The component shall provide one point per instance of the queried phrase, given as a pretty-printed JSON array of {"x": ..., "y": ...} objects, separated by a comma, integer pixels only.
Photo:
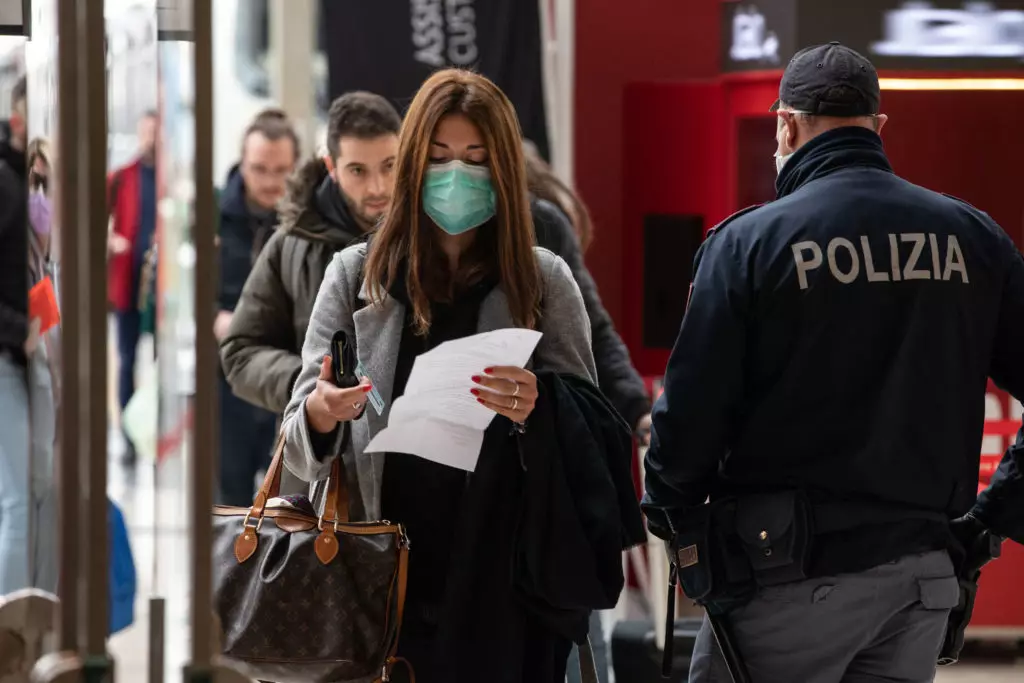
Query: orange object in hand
[{"x": 42, "y": 304}]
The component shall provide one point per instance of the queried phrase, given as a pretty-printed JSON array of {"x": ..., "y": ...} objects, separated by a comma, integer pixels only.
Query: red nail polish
[
  {"x": 489, "y": 371},
  {"x": 480, "y": 400},
  {"x": 476, "y": 378},
  {"x": 368, "y": 389},
  {"x": 475, "y": 392}
]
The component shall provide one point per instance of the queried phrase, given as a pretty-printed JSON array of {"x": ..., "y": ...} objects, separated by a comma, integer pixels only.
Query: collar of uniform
[{"x": 829, "y": 152}]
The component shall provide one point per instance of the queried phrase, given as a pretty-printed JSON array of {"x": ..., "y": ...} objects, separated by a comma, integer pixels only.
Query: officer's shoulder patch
[{"x": 742, "y": 212}]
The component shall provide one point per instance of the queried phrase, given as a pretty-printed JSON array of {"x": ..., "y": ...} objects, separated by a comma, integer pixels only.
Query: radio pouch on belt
[
  {"x": 776, "y": 531},
  {"x": 692, "y": 554},
  {"x": 711, "y": 568}
]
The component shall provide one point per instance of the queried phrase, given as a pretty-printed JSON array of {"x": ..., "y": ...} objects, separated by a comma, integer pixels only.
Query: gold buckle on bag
[
  {"x": 320, "y": 524},
  {"x": 245, "y": 522}
]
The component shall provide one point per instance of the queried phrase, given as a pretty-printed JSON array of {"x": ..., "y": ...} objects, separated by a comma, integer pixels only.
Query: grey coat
[{"x": 377, "y": 328}]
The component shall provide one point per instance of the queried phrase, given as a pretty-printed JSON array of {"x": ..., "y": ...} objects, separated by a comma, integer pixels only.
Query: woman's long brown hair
[{"x": 503, "y": 246}]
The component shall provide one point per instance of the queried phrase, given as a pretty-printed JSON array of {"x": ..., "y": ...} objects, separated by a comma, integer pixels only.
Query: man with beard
[
  {"x": 248, "y": 216},
  {"x": 330, "y": 203}
]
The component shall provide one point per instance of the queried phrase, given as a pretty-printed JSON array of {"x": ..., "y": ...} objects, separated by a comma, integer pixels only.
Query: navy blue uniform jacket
[{"x": 839, "y": 340}]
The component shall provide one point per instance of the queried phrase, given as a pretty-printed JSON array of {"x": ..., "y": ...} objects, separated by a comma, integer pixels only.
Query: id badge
[{"x": 375, "y": 399}]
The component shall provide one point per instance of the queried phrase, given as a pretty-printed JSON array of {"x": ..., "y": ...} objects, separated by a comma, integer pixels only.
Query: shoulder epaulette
[
  {"x": 730, "y": 219},
  {"x": 965, "y": 203},
  {"x": 958, "y": 200}
]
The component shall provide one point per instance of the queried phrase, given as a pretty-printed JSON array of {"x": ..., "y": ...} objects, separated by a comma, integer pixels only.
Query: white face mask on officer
[{"x": 780, "y": 161}]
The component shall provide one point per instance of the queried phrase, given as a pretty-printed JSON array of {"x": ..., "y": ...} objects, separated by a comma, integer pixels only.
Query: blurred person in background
[
  {"x": 544, "y": 184},
  {"x": 330, "y": 203},
  {"x": 562, "y": 224},
  {"x": 248, "y": 216},
  {"x": 17, "y": 343},
  {"x": 131, "y": 199},
  {"x": 43, "y": 356},
  {"x": 15, "y": 140}
]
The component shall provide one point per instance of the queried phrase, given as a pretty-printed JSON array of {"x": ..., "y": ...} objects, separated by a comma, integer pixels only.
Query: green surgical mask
[{"x": 458, "y": 196}]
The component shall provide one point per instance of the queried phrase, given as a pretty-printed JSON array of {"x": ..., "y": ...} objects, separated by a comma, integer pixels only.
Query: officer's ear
[
  {"x": 880, "y": 120},
  {"x": 787, "y": 131}
]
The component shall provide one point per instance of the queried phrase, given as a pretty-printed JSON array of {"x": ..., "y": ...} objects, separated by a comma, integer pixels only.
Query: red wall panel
[
  {"x": 618, "y": 43},
  {"x": 676, "y": 164},
  {"x": 968, "y": 144}
]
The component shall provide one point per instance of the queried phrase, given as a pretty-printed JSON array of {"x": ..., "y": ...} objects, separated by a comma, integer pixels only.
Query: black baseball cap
[{"x": 830, "y": 80}]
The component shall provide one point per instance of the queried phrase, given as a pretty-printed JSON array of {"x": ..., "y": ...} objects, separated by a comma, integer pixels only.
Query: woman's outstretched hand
[
  {"x": 328, "y": 404},
  {"x": 508, "y": 391}
]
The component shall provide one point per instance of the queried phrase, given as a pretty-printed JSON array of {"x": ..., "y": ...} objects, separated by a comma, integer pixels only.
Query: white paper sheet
[{"x": 437, "y": 417}]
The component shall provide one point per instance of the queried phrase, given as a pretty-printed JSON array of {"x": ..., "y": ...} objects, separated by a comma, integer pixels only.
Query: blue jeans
[
  {"x": 15, "y": 490},
  {"x": 42, "y": 433}
]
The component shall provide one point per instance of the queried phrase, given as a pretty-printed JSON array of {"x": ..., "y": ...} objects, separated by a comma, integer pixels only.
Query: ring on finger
[
  {"x": 515, "y": 404},
  {"x": 518, "y": 387},
  {"x": 357, "y": 406}
]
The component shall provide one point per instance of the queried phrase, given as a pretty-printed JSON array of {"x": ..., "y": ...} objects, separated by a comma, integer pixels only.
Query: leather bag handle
[{"x": 336, "y": 504}]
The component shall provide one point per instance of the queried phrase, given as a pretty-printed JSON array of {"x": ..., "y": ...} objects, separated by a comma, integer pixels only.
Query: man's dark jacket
[
  {"x": 243, "y": 235},
  {"x": 13, "y": 262},
  {"x": 619, "y": 380},
  {"x": 857, "y": 376},
  {"x": 261, "y": 354},
  {"x": 539, "y": 538}
]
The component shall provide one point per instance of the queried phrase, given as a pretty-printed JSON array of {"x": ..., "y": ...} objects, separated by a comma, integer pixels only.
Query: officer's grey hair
[{"x": 868, "y": 121}]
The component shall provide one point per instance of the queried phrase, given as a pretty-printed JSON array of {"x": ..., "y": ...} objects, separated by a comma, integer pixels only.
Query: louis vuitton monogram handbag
[{"x": 305, "y": 598}]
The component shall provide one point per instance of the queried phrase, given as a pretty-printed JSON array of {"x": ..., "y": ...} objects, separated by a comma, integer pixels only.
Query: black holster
[
  {"x": 725, "y": 550},
  {"x": 972, "y": 546}
]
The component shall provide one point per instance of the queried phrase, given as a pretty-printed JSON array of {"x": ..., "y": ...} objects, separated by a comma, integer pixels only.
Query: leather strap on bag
[
  {"x": 336, "y": 503},
  {"x": 588, "y": 667},
  {"x": 337, "y": 492},
  {"x": 335, "y": 509},
  {"x": 335, "y": 513},
  {"x": 271, "y": 486},
  {"x": 403, "y": 577}
]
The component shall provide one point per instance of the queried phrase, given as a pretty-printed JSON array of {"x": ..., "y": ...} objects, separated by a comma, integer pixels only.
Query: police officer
[{"x": 837, "y": 344}]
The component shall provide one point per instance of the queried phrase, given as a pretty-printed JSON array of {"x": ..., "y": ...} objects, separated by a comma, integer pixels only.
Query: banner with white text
[{"x": 390, "y": 47}]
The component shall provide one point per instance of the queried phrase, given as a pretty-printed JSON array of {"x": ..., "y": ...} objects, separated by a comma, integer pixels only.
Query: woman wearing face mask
[
  {"x": 44, "y": 369},
  {"x": 454, "y": 257}
]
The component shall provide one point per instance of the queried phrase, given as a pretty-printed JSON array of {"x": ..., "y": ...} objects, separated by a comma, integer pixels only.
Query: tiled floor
[
  {"x": 978, "y": 673},
  {"x": 161, "y": 560}
]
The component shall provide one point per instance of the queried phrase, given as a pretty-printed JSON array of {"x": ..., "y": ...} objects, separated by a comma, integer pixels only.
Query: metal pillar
[
  {"x": 82, "y": 464},
  {"x": 565, "y": 38},
  {"x": 558, "y": 60},
  {"x": 93, "y": 223},
  {"x": 292, "y": 47},
  {"x": 71, "y": 321},
  {"x": 205, "y": 432}
]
